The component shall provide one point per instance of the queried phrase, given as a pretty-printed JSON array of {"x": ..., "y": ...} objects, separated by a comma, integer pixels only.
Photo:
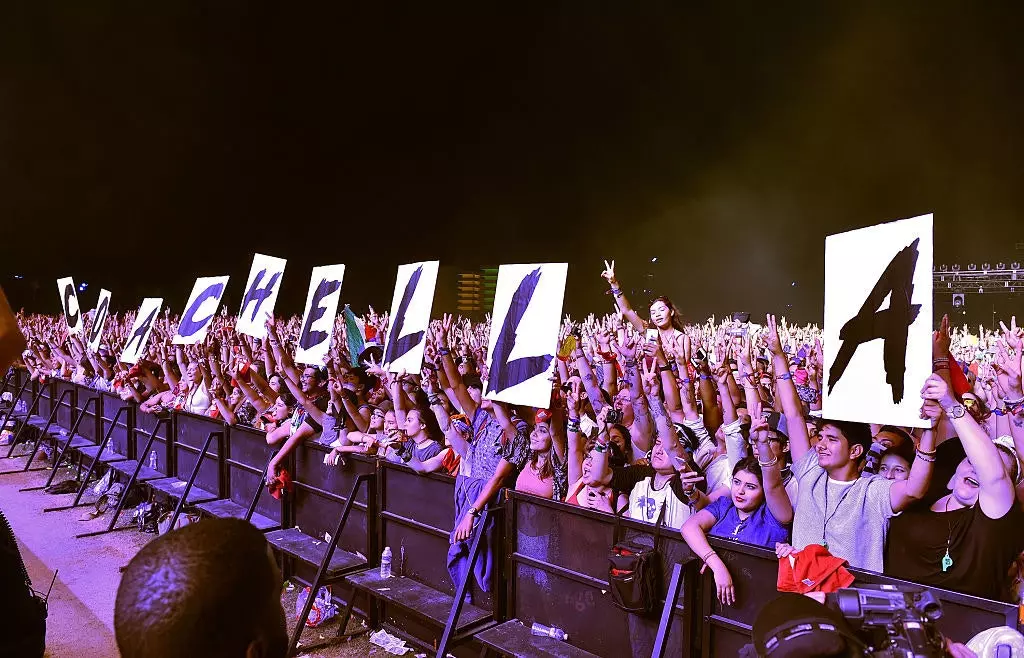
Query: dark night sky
[{"x": 141, "y": 147}]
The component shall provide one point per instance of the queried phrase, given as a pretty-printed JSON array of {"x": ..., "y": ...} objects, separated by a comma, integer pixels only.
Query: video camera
[
  {"x": 890, "y": 621},
  {"x": 870, "y": 621}
]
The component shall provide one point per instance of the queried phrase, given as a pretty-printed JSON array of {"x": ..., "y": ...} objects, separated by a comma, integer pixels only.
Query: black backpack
[{"x": 634, "y": 569}]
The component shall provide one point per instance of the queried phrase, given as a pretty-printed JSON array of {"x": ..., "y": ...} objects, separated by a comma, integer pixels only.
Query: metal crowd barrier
[{"x": 550, "y": 558}]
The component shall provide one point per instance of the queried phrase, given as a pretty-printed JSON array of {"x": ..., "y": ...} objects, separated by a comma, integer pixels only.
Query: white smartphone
[{"x": 652, "y": 335}]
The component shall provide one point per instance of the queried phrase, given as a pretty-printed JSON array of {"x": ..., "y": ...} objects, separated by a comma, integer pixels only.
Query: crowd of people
[{"x": 713, "y": 429}]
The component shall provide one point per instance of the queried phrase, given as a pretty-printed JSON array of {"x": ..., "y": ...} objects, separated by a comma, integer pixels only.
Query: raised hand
[
  {"x": 941, "y": 339},
  {"x": 609, "y": 274},
  {"x": 774, "y": 343}
]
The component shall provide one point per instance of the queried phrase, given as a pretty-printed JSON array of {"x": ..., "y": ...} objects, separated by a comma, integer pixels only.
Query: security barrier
[{"x": 550, "y": 558}]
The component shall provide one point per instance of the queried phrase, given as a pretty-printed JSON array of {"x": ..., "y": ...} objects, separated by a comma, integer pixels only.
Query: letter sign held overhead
[
  {"x": 524, "y": 333},
  {"x": 69, "y": 302},
  {"x": 200, "y": 309},
  {"x": 321, "y": 310},
  {"x": 139, "y": 336},
  {"x": 95, "y": 335},
  {"x": 410, "y": 316},
  {"x": 260, "y": 295},
  {"x": 877, "y": 336}
]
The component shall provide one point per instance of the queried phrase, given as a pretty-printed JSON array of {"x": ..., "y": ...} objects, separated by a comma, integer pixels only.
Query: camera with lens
[
  {"x": 870, "y": 621},
  {"x": 890, "y": 621}
]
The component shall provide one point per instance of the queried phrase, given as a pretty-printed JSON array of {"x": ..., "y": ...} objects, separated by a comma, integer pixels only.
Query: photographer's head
[{"x": 210, "y": 589}]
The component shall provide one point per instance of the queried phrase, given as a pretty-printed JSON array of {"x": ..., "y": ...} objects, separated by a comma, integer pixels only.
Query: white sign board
[
  {"x": 200, "y": 310},
  {"x": 410, "y": 316},
  {"x": 135, "y": 348},
  {"x": 260, "y": 295},
  {"x": 69, "y": 302},
  {"x": 524, "y": 333},
  {"x": 321, "y": 309},
  {"x": 95, "y": 334},
  {"x": 877, "y": 336}
]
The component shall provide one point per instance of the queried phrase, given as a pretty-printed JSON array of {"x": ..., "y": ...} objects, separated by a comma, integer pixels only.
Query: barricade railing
[
  {"x": 551, "y": 557},
  {"x": 725, "y": 629},
  {"x": 557, "y": 575}
]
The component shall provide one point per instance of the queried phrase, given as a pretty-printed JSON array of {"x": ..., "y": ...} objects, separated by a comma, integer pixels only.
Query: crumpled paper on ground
[{"x": 389, "y": 643}]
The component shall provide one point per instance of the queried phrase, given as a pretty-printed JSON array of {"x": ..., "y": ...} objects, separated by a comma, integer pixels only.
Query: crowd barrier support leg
[
  {"x": 322, "y": 570},
  {"x": 666, "y": 614},
  {"x": 35, "y": 401},
  {"x": 10, "y": 412},
  {"x": 39, "y": 439},
  {"x": 451, "y": 627},
  {"x": 71, "y": 433},
  {"x": 192, "y": 477},
  {"x": 256, "y": 496},
  {"x": 127, "y": 487},
  {"x": 7, "y": 380},
  {"x": 92, "y": 467}
]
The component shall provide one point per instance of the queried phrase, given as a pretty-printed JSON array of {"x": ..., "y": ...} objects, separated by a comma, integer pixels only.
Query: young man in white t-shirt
[{"x": 839, "y": 509}]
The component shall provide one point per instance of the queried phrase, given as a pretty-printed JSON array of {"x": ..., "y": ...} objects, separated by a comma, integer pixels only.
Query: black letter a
[{"x": 891, "y": 325}]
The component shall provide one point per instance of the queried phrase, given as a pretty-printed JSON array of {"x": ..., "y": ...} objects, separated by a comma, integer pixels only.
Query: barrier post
[{"x": 92, "y": 466}]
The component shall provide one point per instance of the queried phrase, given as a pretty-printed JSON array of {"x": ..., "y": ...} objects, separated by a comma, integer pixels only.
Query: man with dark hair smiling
[{"x": 210, "y": 589}]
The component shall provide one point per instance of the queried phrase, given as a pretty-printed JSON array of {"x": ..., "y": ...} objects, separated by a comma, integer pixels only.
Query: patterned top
[{"x": 489, "y": 446}]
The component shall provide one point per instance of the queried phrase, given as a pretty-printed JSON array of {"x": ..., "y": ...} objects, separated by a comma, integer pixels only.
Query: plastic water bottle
[
  {"x": 548, "y": 631},
  {"x": 385, "y": 563},
  {"x": 152, "y": 459}
]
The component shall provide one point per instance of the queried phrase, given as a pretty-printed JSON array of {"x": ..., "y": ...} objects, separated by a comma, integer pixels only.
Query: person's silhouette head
[{"x": 211, "y": 589}]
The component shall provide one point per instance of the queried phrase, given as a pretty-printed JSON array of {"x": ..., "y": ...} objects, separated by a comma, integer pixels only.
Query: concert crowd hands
[{"x": 712, "y": 426}]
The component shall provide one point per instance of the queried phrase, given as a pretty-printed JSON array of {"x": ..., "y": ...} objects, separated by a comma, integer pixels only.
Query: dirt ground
[{"x": 81, "y": 605}]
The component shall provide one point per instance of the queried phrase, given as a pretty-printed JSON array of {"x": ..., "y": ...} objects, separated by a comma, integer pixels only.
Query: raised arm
[
  {"x": 620, "y": 297},
  {"x": 997, "y": 494},
  {"x": 451, "y": 371},
  {"x": 785, "y": 391},
  {"x": 775, "y": 495}
]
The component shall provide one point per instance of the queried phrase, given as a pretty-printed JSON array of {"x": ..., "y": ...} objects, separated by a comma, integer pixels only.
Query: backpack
[{"x": 634, "y": 570}]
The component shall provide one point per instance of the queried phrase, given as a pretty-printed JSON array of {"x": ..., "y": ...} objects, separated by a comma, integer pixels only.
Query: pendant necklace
[
  {"x": 947, "y": 561},
  {"x": 828, "y": 517}
]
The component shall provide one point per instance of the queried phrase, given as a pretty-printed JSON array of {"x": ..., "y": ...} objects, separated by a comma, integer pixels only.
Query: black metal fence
[{"x": 550, "y": 562}]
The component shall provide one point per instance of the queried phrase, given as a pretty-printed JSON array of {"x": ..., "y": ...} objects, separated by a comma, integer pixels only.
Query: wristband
[
  {"x": 600, "y": 447},
  {"x": 686, "y": 380},
  {"x": 1013, "y": 403},
  {"x": 444, "y": 352},
  {"x": 667, "y": 368},
  {"x": 616, "y": 293},
  {"x": 785, "y": 377},
  {"x": 434, "y": 400},
  {"x": 704, "y": 378}
]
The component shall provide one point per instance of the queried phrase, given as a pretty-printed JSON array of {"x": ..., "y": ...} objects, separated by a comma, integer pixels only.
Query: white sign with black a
[
  {"x": 135, "y": 348},
  {"x": 877, "y": 337},
  {"x": 524, "y": 333}
]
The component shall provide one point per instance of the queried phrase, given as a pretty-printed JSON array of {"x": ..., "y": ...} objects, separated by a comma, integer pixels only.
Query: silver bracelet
[{"x": 773, "y": 462}]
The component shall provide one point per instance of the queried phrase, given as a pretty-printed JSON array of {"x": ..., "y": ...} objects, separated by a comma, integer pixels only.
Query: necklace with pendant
[{"x": 947, "y": 561}]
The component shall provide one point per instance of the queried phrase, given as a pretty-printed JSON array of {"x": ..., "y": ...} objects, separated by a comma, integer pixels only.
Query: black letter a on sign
[
  {"x": 502, "y": 373},
  {"x": 140, "y": 333},
  {"x": 891, "y": 325},
  {"x": 257, "y": 294},
  {"x": 399, "y": 345}
]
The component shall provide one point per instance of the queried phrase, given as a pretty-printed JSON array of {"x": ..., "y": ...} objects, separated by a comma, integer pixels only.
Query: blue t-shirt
[{"x": 760, "y": 528}]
